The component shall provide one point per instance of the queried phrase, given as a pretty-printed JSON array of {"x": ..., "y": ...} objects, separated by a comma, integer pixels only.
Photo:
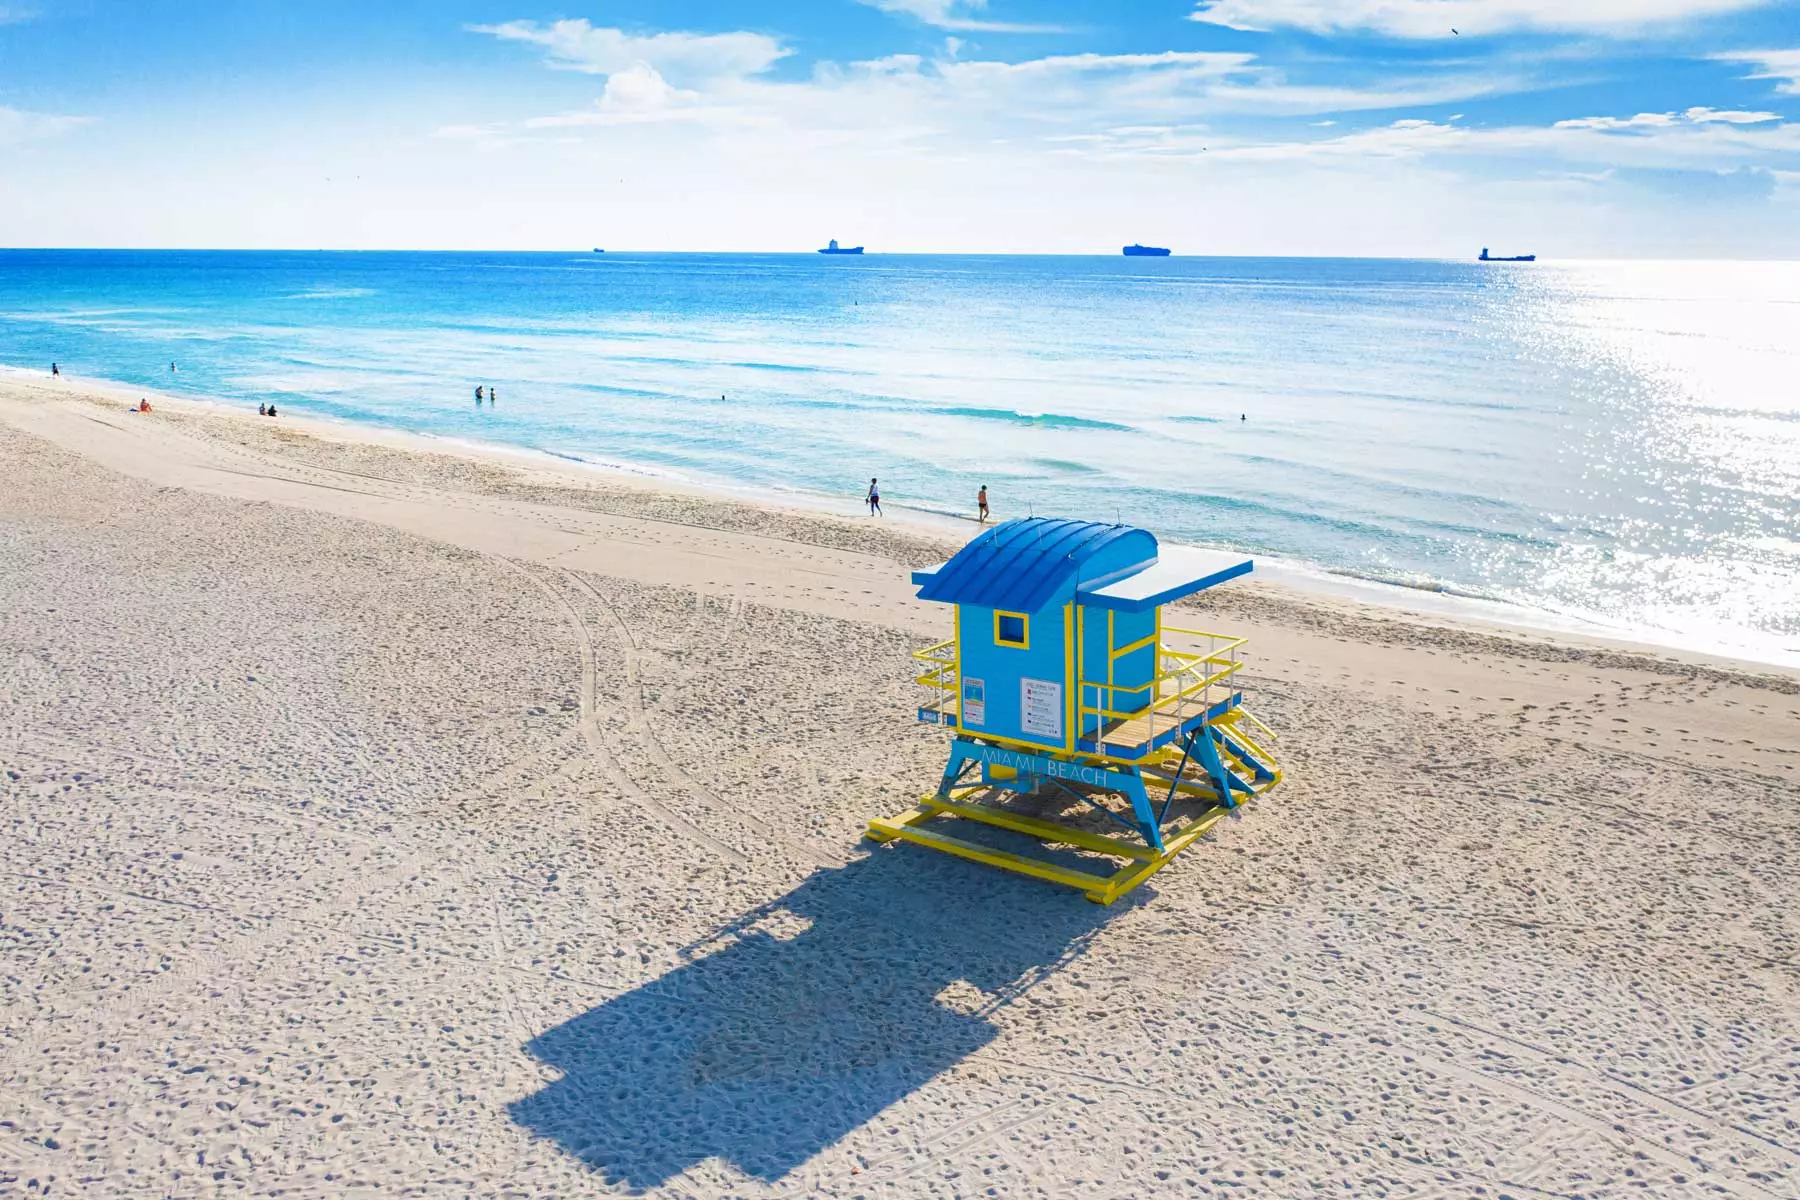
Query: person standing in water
[
  {"x": 478, "y": 393},
  {"x": 492, "y": 394},
  {"x": 874, "y": 499},
  {"x": 981, "y": 508},
  {"x": 53, "y": 369}
]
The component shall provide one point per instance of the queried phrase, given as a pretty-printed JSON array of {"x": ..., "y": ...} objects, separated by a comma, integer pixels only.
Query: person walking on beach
[
  {"x": 981, "y": 508},
  {"x": 874, "y": 499},
  {"x": 53, "y": 370}
]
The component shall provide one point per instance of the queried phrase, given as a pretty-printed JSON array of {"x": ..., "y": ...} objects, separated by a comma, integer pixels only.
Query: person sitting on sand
[
  {"x": 262, "y": 410},
  {"x": 143, "y": 405},
  {"x": 981, "y": 508},
  {"x": 271, "y": 410},
  {"x": 874, "y": 499}
]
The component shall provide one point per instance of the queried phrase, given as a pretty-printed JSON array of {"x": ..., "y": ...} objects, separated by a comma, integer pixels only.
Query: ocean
[{"x": 1615, "y": 444}]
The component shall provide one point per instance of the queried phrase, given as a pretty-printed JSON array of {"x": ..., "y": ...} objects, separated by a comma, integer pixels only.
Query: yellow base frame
[{"x": 1141, "y": 861}]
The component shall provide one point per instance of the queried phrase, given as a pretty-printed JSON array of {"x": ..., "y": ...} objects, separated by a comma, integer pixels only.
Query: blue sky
[{"x": 1576, "y": 128}]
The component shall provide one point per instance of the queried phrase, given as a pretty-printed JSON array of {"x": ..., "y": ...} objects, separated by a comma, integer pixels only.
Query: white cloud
[
  {"x": 17, "y": 125},
  {"x": 684, "y": 58},
  {"x": 1698, "y": 115},
  {"x": 1111, "y": 89},
  {"x": 1653, "y": 141},
  {"x": 1095, "y": 79},
  {"x": 1730, "y": 116},
  {"x": 1771, "y": 64},
  {"x": 903, "y": 98},
  {"x": 639, "y": 89},
  {"x": 1438, "y": 18},
  {"x": 954, "y": 14},
  {"x": 640, "y": 96},
  {"x": 1107, "y": 110},
  {"x": 1643, "y": 120}
]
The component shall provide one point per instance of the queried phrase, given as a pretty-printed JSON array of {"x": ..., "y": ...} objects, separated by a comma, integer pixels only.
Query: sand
[{"x": 387, "y": 822}]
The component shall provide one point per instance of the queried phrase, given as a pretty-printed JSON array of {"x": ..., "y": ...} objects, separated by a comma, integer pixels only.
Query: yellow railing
[
  {"x": 1184, "y": 685},
  {"x": 939, "y": 675}
]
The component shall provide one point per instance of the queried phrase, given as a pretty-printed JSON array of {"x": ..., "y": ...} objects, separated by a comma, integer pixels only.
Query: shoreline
[{"x": 1306, "y": 582}]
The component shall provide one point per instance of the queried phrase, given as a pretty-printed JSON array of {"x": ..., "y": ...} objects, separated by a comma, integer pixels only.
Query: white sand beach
[{"x": 388, "y": 822}]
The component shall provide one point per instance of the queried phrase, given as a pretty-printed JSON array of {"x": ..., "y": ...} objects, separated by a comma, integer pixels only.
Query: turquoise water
[{"x": 1617, "y": 442}]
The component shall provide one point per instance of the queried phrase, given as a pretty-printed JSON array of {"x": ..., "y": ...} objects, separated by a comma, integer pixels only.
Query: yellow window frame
[{"x": 1024, "y": 643}]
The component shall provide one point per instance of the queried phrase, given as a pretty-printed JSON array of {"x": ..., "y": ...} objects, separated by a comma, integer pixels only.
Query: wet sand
[{"x": 384, "y": 821}]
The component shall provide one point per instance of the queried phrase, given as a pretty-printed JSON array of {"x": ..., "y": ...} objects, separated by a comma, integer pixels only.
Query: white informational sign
[
  {"x": 1041, "y": 708},
  {"x": 974, "y": 702}
]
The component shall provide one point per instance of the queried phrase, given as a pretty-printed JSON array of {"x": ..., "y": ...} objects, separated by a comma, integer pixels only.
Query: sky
[{"x": 1428, "y": 128}]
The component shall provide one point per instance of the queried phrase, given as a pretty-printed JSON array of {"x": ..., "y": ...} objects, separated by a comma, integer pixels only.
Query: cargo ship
[
  {"x": 1486, "y": 257},
  {"x": 1136, "y": 251},
  {"x": 833, "y": 248}
]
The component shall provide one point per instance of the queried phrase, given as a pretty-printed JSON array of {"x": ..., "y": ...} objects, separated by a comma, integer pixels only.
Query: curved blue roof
[{"x": 1022, "y": 564}]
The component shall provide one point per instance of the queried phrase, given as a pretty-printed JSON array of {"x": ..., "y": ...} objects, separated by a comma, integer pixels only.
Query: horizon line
[{"x": 808, "y": 255}]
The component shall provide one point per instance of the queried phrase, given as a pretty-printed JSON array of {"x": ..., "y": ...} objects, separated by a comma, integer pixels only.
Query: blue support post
[
  {"x": 1187, "y": 750},
  {"x": 1140, "y": 806},
  {"x": 1208, "y": 754},
  {"x": 953, "y": 770}
]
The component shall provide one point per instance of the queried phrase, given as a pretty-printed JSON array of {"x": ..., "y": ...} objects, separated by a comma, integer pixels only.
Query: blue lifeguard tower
[{"x": 1063, "y": 684}]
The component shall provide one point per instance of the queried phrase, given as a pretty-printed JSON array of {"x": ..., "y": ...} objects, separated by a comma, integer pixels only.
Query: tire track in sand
[
  {"x": 600, "y": 752},
  {"x": 666, "y": 762}
]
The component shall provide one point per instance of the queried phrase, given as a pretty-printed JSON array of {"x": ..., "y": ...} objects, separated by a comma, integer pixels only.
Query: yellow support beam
[
  {"x": 1142, "y": 862},
  {"x": 1148, "y": 639},
  {"x": 993, "y": 858},
  {"x": 1130, "y": 877},
  {"x": 1048, "y": 831}
]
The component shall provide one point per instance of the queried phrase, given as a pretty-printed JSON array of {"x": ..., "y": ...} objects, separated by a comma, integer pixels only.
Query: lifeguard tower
[{"x": 1063, "y": 684}]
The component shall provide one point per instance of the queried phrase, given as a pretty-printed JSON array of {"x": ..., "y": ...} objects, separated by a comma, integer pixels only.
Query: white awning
[{"x": 1178, "y": 571}]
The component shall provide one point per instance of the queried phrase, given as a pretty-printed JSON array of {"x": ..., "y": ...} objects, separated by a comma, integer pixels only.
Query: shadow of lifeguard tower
[
  {"x": 802, "y": 1021},
  {"x": 1079, "y": 714}
]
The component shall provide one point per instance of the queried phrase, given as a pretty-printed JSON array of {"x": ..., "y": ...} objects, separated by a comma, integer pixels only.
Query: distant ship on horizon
[
  {"x": 833, "y": 248},
  {"x": 1136, "y": 251},
  {"x": 1486, "y": 257}
]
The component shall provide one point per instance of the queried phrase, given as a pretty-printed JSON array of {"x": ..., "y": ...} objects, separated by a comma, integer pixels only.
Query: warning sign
[
  {"x": 974, "y": 702},
  {"x": 1041, "y": 708}
]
